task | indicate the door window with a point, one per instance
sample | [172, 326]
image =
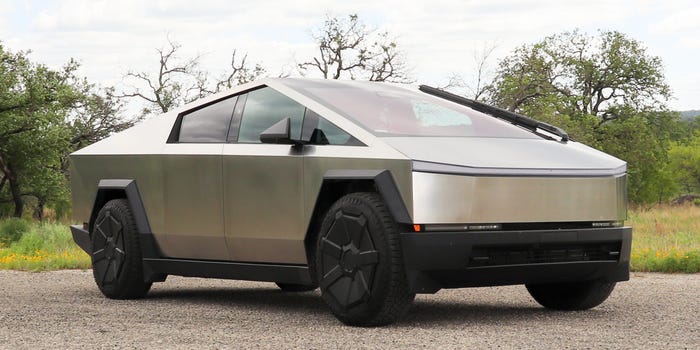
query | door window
[264, 108]
[209, 124]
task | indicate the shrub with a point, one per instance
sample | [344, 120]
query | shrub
[12, 230]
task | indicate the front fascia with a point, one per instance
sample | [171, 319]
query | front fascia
[446, 199]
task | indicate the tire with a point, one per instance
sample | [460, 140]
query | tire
[116, 254]
[571, 296]
[293, 287]
[358, 262]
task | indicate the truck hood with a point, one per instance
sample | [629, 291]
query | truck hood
[505, 156]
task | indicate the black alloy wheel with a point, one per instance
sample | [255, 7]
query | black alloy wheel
[116, 255]
[358, 262]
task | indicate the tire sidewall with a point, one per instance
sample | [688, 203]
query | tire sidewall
[130, 274]
[382, 276]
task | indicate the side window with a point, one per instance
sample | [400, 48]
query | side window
[326, 133]
[209, 124]
[264, 108]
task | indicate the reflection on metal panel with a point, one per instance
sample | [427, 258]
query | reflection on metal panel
[193, 200]
[440, 198]
[494, 153]
[87, 171]
[319, 160]
[263, 205]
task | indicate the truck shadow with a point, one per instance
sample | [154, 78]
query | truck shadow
[429, 312]
[263, 299]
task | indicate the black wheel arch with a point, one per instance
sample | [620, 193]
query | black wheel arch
[337, 183]
[108, 189]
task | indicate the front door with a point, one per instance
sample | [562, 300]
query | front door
[263, 183]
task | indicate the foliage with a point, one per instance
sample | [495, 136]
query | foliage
[587, 75]
[642, 139]
[12, 230]
[44, 115]
[606, 91]
[34, 102]
[349, 49]
[685, 163]
[96, 116]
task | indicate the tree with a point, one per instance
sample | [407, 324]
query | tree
[478, 86]
[96, 116]
[685, 164]
[606, 91]
[586, 76]
[170, 87]
[179, 81]
[240, 73]
[34, 100]
[347, 48]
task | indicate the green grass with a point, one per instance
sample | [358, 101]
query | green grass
[666, 239]
[43, 247]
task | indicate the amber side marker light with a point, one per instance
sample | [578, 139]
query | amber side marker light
[416, 228]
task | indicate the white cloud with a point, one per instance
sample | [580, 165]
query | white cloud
[439, 37]
[684, 20]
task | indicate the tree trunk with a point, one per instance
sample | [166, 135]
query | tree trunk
[14, 190]
[39, 210]
[16, 198]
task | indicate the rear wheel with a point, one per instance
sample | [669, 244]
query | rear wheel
[116, 253]
[358, 262]
[571, 296]
[293, 287]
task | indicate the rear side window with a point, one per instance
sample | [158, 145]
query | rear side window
[264, 108]
[209, 124]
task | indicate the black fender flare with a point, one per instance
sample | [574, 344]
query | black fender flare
[385, 184]
[337, 182]
[108, 189]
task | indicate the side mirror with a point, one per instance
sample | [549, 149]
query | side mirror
[278, 133]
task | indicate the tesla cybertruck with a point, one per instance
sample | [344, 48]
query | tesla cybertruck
[371, 192]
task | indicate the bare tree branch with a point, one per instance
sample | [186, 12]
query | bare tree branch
[347, 48]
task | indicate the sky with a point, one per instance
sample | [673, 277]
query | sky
[439, 38]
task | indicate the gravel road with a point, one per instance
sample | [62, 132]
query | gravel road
[64, 309]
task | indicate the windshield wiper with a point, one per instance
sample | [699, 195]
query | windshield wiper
[531, 124]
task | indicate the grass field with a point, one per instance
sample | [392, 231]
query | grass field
[666, 239]
[47, 246]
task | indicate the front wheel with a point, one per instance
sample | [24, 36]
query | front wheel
[116, 253]
[571, 296]
[358, 262]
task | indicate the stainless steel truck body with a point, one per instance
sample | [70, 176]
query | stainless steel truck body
[372, 191]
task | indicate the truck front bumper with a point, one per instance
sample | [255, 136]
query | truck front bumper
[435, 260]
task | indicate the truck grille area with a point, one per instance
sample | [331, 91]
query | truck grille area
[483, 256]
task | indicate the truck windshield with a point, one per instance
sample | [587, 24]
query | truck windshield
[387, 110]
